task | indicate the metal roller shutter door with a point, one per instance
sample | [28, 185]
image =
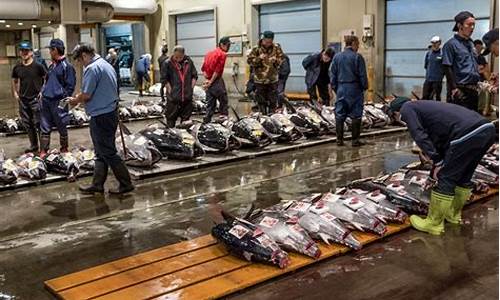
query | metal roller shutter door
[297, 28]
[196, 32]
[410, 24]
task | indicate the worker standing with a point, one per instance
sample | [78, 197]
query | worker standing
[460, 64]
[27, 82]
[490, 40]
[455, 139]
[317, 66]
[60, 84]
[283, 73]
[433, 84]
[213, 68]
[161, 64]
[142, 66]
[180, 77]
[112, 59]
[265, 59]
[349, 81]
[99, 95]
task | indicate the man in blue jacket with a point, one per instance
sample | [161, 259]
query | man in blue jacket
[60, 84]
[317, 67]
[434, 74]
[349, 81]
[455, 139]
[142, 70]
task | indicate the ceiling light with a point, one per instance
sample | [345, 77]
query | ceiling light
[33, 26]
[2, 21]
[7, 25]
[20, 24]
[50, 22]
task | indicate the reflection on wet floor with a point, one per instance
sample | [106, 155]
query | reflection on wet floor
[53, 230]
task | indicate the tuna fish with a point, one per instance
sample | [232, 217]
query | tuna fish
[27, 166]
[141, 152]
[125, 114]
[351, 211]
[247, 241]
[62, 163]
[78, 117]
[323, 226]
[155, 110]
[286, 232]
[485, 175]
[376, 115]
[12, 125]
[280, 126]
[173, 143]
[85, 158]
[249, 131]
[214, 137]
[6, 176]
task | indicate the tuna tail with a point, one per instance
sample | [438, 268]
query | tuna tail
[314, 105]
[415, 95]
[289, 106]
[163, 123]
[325, 238]
[381, 98]
[250, 211]
[235, 113]
[125, 130]
[227, 216]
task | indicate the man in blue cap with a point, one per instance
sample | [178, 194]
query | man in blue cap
[349, 81]
[460, 63]
[60, 84]
[27, 82]
[100, 96]
[455, 139]
[433, 83]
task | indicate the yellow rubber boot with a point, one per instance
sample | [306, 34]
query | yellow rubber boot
[454, 214]
[434, 223]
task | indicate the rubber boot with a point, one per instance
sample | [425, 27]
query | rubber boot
[100, 175]
[434, 223]
[454, 214]
[356, 132]
[44, 144]
[123, 177]
[339, 129]
[64, 142]
[33, 137]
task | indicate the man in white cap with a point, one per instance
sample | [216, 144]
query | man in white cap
[434, 74]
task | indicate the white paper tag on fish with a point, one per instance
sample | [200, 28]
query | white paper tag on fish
[140, 141]
[267, 242]
[327, 217]
[238, 231]
[397, 188]
[359, 191]
[51, 157]
[159, 131]
[332, 198]
[397, 177]
[268, 222]
[301, 206]
[353, 203]
[420, 181]
[376, 197]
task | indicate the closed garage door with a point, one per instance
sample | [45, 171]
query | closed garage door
[408, 34]
[196, 32]
[297, 28]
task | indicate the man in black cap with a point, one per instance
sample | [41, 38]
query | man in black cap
[27, 82]
[265, 59]
[455, 139]
[213, 68]
[460, 63]
[60, 84]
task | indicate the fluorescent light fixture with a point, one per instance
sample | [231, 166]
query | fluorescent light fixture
[20, 23]
[2, 21]
[33, 25]
[7, 25]
[50, 22]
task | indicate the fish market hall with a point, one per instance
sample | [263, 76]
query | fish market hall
[249, 149]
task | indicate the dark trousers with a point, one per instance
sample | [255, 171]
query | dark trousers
[461, 160]
[140, 80]
[103, 131]
[162, 90]
[467, 97]
[177, 108]
[281, 90]
[266, 96]
[324, 95]
[432, 90]
[53, 116]
[29, 111]
[350, 101]
[217, 91]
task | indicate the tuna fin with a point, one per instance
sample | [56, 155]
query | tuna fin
[163, 123]
[324, 237]
[227, 216]
[289, 106]
[415, 95]
[235, 113]
[125, 130]
[250, 211]
[357, 226]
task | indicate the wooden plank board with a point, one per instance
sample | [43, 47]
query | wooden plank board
[197, 270]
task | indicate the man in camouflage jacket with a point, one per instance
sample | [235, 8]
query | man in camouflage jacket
[265, 59]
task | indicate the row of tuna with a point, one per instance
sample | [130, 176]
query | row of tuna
[367, 205]
[31, 167]
[148, 146]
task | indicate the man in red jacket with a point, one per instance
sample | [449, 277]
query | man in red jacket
[213, 68]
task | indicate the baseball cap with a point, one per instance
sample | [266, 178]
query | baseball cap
[397, 103]
[225, 40]
[489, 38]
[56, 43]
[460, 17]
[268, 34]
[435, 39]
[25, 45]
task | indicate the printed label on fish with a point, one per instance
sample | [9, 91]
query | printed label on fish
[397, 188]
[376, 197]
[140, 141]
[159, 131]
[353, 203]
[301, 206]
[267, 242]
[332, 198]
[238, 231]
[268, 222]
[418, 180]
[359, 191]
[397, 177]
[51, 157]
[327, 217]
[257, 132]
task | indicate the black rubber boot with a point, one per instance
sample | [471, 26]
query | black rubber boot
[356, 132]
[33, 137]
[64, 142]
[100, 175]
[339, 129]
[123, 177]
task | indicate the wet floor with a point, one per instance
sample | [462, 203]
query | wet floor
[51, 230]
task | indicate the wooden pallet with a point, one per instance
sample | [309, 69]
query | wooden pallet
[196, 269]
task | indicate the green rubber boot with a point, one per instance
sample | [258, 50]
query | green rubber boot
[454, 214]
[434, 223]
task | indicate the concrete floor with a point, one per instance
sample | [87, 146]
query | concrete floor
[52, 230]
